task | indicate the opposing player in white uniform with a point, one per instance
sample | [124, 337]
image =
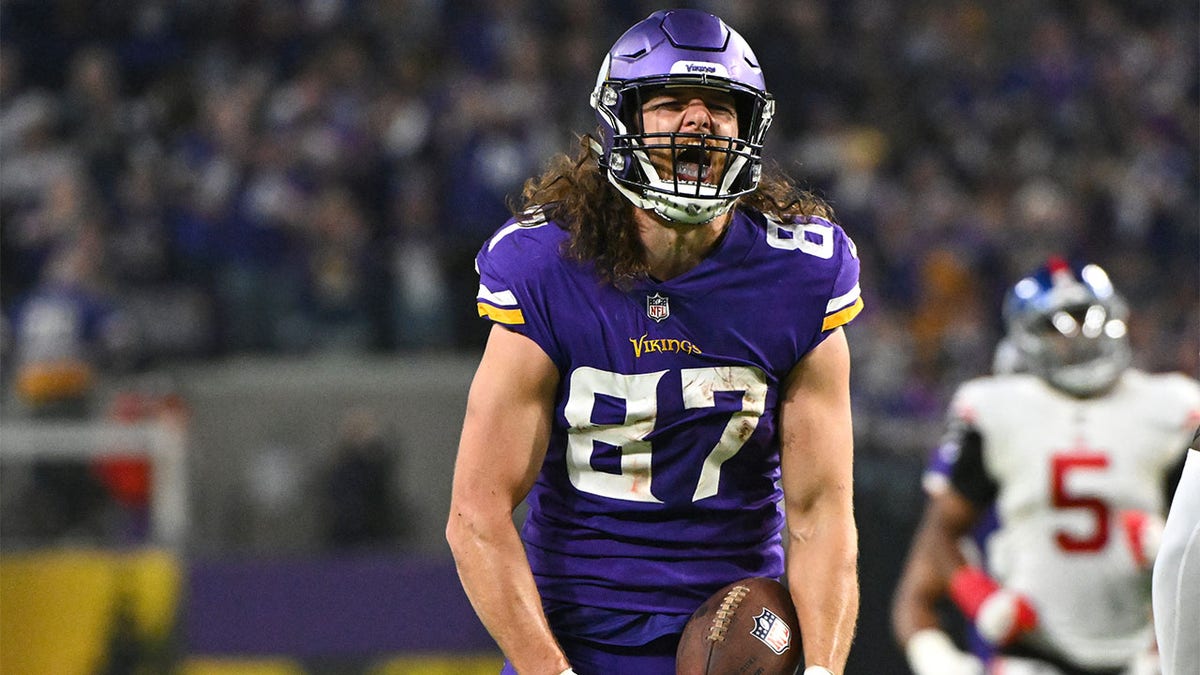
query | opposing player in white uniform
[1177, 575]
[1075, 458]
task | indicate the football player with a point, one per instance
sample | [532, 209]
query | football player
[666, 364]
[1177, 574]
[1075, 456]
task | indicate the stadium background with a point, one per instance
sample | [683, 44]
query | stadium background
[261, 215]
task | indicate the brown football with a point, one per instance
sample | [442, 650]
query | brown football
[747, 628]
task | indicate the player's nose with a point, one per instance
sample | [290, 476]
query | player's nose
[696, 115]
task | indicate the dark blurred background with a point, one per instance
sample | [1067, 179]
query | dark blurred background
[247, 228]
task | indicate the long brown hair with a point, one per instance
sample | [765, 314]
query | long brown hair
[575, 194]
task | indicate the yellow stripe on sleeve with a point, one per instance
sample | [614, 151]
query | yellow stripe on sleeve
[511, 317]
[842, 317]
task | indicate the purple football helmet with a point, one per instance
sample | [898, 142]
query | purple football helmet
[681, 47]
[1069, 326]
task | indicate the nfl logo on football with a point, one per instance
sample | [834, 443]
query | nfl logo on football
[657, 307]
[772, 631]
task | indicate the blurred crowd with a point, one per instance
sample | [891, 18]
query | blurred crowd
[191, 179]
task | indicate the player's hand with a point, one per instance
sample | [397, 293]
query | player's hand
[1000, 615]
[931, 652]
[1143, 535]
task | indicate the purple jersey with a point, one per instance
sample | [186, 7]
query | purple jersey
[660, 482]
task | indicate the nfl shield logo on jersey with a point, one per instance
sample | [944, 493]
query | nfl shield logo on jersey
[772, 631]
[657, 307]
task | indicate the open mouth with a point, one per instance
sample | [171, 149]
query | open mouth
[692, 165]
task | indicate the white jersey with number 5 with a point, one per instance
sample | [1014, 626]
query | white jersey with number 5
[1059, 471]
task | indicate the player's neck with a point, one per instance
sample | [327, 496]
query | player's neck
[672, 249]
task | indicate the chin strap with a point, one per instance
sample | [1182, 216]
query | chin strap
[664, 208]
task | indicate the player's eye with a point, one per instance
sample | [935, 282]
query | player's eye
[721, 107]
[665, 104]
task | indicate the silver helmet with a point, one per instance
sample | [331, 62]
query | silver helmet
[1069, 325]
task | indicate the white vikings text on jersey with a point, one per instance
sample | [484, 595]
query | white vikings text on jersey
[1059, 471]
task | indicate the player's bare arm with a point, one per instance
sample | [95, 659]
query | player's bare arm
[503, 444]
[822, 538]
[933, 557]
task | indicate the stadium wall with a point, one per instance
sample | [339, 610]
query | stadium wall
[262, 430]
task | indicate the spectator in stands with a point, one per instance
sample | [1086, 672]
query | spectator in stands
[67, 330]
[341, 268]
[420, 300]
